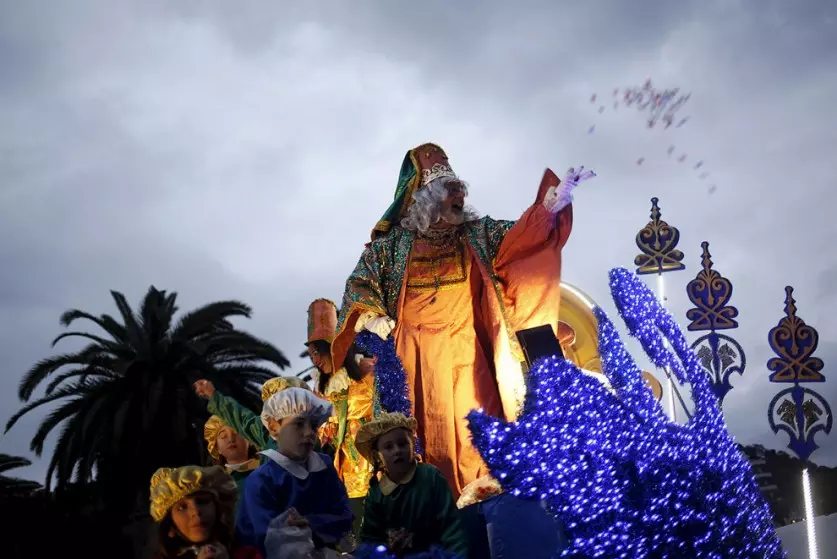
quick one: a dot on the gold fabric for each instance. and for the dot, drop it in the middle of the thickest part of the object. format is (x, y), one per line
(357, 398)
(278, 384)
(170, 485)
(381, 425)
(210, 432)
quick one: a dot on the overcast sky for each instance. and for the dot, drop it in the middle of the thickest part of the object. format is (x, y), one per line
(245, 150)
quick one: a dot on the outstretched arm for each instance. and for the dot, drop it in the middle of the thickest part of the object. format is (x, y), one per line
(244, 421)
(547, 224)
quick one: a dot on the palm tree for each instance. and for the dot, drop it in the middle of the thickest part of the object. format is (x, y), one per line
(13, 485)
(126, 400)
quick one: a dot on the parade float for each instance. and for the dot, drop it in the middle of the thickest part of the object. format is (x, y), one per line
(587, 454)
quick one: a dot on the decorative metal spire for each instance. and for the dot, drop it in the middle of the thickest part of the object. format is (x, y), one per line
(798, 411)
(719, 355)
(658, 243)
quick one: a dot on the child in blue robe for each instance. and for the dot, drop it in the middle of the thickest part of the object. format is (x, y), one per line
(295, 481)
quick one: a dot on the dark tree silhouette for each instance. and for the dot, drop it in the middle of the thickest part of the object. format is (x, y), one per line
(12, 485)
(125, 400)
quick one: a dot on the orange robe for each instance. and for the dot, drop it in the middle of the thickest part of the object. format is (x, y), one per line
(457, 309)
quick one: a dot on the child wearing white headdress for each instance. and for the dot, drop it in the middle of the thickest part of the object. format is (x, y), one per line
(296, 490)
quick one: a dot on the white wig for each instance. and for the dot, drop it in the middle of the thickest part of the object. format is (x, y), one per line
(426, 209)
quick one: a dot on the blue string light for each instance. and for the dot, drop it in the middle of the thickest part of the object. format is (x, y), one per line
(369, 551)
(623, 479)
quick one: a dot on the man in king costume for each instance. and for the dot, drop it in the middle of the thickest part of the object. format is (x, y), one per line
(453, 288)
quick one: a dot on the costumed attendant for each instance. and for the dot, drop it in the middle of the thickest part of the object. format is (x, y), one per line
(230, 450)
(351, 390)
(409, 508)
(194, 508)
(452, 288)
(241, 419)
(296, 488)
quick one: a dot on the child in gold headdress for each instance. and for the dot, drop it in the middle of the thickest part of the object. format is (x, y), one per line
(350, 388)
(410, 506)
(296, 487)
(230, 450)
(194, 508)
(240, 419)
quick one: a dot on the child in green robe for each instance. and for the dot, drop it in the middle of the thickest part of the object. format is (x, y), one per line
(230, 450)
(410, 507)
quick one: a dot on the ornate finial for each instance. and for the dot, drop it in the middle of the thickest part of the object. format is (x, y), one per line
(658, 243)
(710, 292)
(706, 258)
(794, 342)
(790, 303)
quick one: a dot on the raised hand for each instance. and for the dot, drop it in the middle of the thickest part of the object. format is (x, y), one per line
(561, 196)
(204, 389)
(621, 477)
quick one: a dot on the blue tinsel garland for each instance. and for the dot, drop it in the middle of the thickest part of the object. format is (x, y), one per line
(392, 393)
(623, 479)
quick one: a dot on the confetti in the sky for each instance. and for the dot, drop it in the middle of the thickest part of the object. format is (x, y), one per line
(713, 188)
(660, 108)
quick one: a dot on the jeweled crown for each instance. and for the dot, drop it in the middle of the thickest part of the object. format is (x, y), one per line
(433, 163)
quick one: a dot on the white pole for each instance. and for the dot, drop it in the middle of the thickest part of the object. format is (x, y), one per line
(661, 294)
(813, 553)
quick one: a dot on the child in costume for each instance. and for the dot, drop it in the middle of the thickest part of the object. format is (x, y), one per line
(194, 509)
(241, 419)
(230, 450)
(295, 483)
(351, 390)
(410, 507)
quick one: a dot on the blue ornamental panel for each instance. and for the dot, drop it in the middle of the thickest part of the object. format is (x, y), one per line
(801, 413)
(658, 243)
(720, 356)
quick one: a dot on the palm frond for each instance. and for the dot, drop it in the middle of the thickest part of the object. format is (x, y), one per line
(45, 367)
(132, 327)
(209, 318)
(105, 322)
(9, 462)
(69, 390)
(83, 373)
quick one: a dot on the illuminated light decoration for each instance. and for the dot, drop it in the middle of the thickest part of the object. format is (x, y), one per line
(392, 394)
(372, 551)
(810, 519)
(623, 479)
